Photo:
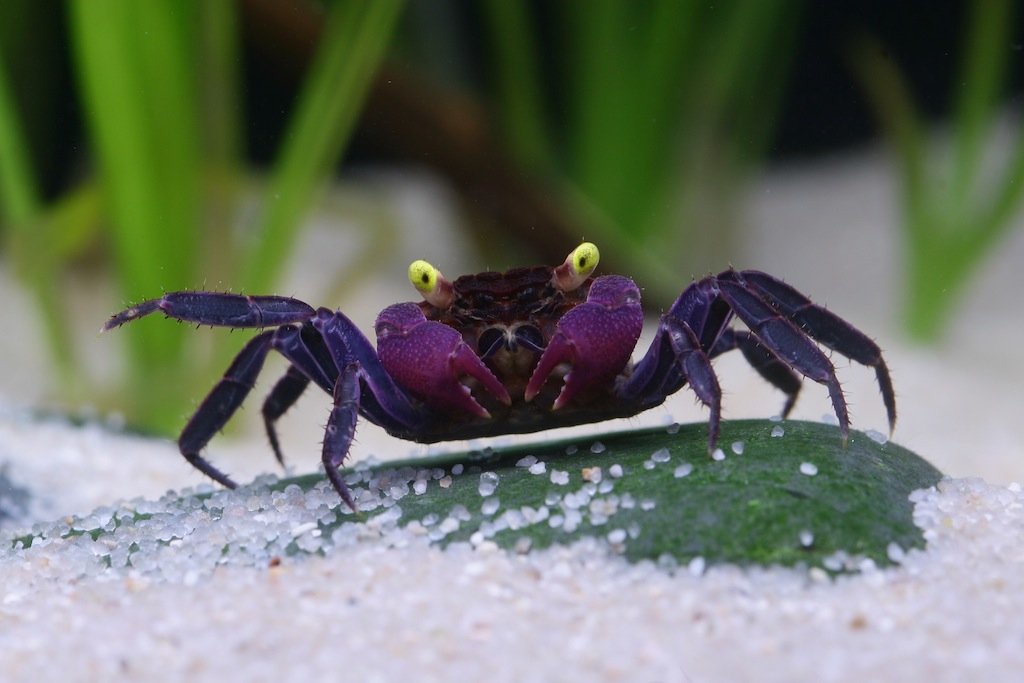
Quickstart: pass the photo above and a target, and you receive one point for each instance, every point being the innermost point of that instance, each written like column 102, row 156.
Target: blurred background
column 870, row 154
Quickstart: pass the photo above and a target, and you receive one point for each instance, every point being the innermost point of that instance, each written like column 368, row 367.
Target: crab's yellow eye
column 578, row 266
column 423, row 276
column 429, row 281
column 584, row 259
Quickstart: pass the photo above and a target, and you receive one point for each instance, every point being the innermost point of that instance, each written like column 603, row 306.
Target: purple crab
column 521, row 351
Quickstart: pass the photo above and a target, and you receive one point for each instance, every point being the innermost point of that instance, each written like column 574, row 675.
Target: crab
column 526, row 350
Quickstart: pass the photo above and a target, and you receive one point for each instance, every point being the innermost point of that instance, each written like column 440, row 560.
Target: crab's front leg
column 218, row 309
column 595, row 339
column 430, row 359
column 362, row 383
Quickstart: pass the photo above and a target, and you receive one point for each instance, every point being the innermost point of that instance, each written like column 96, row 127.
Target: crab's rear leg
column 341, row 429
column 677, row 356
column 311, row 360
column 283, row 396
column 771, row 369
column 223, row 310
column 827, row 328
column 221, row 403
column 785, row 340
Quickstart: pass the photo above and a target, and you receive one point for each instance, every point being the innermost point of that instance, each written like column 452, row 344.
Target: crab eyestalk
column 436, row 289
column 578, row 266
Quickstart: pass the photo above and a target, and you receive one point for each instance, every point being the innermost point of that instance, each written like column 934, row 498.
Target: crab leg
column 341, row 429
column 225, row 310
column 677, row 355
column 782, row 338
column 385, row 403
column 221, row 403
column 824, row 327
column 763, row 361
column 282, row 397
column 696, row 365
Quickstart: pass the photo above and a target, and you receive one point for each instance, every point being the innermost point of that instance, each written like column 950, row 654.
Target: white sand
column 382, row 606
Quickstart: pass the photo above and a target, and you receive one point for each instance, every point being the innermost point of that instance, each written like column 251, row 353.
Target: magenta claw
column 595, row 338
column 428, row 359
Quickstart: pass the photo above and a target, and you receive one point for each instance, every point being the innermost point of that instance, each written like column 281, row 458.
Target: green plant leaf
column 354, row 38
column 136, row 82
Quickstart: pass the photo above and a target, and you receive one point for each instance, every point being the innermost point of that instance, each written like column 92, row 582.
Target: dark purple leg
column 305, row 349
column 696, row 365
column 826, row 328
column 785, row 340
column 384, row 399
column 763, row 361
column 316, row 351
column 282, row 397
column 225, row 310
column 659, row 373
column 341, row 428
column 674, row 359
column 361, row 387
column 221, row 403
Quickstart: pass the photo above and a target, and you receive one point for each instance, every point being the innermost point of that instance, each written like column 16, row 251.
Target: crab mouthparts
column 501, row 338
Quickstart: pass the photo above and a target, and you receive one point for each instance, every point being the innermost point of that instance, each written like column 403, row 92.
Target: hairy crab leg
column 310, row 361
column 283, row 396
column 221, row 403
column 774, row 371
column 659, row 373
column 677, row 357
column 224, row 310
column 697, row 367
column 826, row 328
column 385, row 403
column 784, row 339
column 341, row 429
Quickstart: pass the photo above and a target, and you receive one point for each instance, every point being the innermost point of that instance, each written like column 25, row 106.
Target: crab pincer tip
column 465, row 362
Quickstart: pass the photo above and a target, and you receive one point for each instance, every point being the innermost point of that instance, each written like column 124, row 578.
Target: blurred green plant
column 957, row 205
column 657, row 112
column 158, row 84
column 22, row 211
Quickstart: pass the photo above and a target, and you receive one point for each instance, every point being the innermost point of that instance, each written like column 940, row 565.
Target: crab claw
column 595, row 338
column 428, row 358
